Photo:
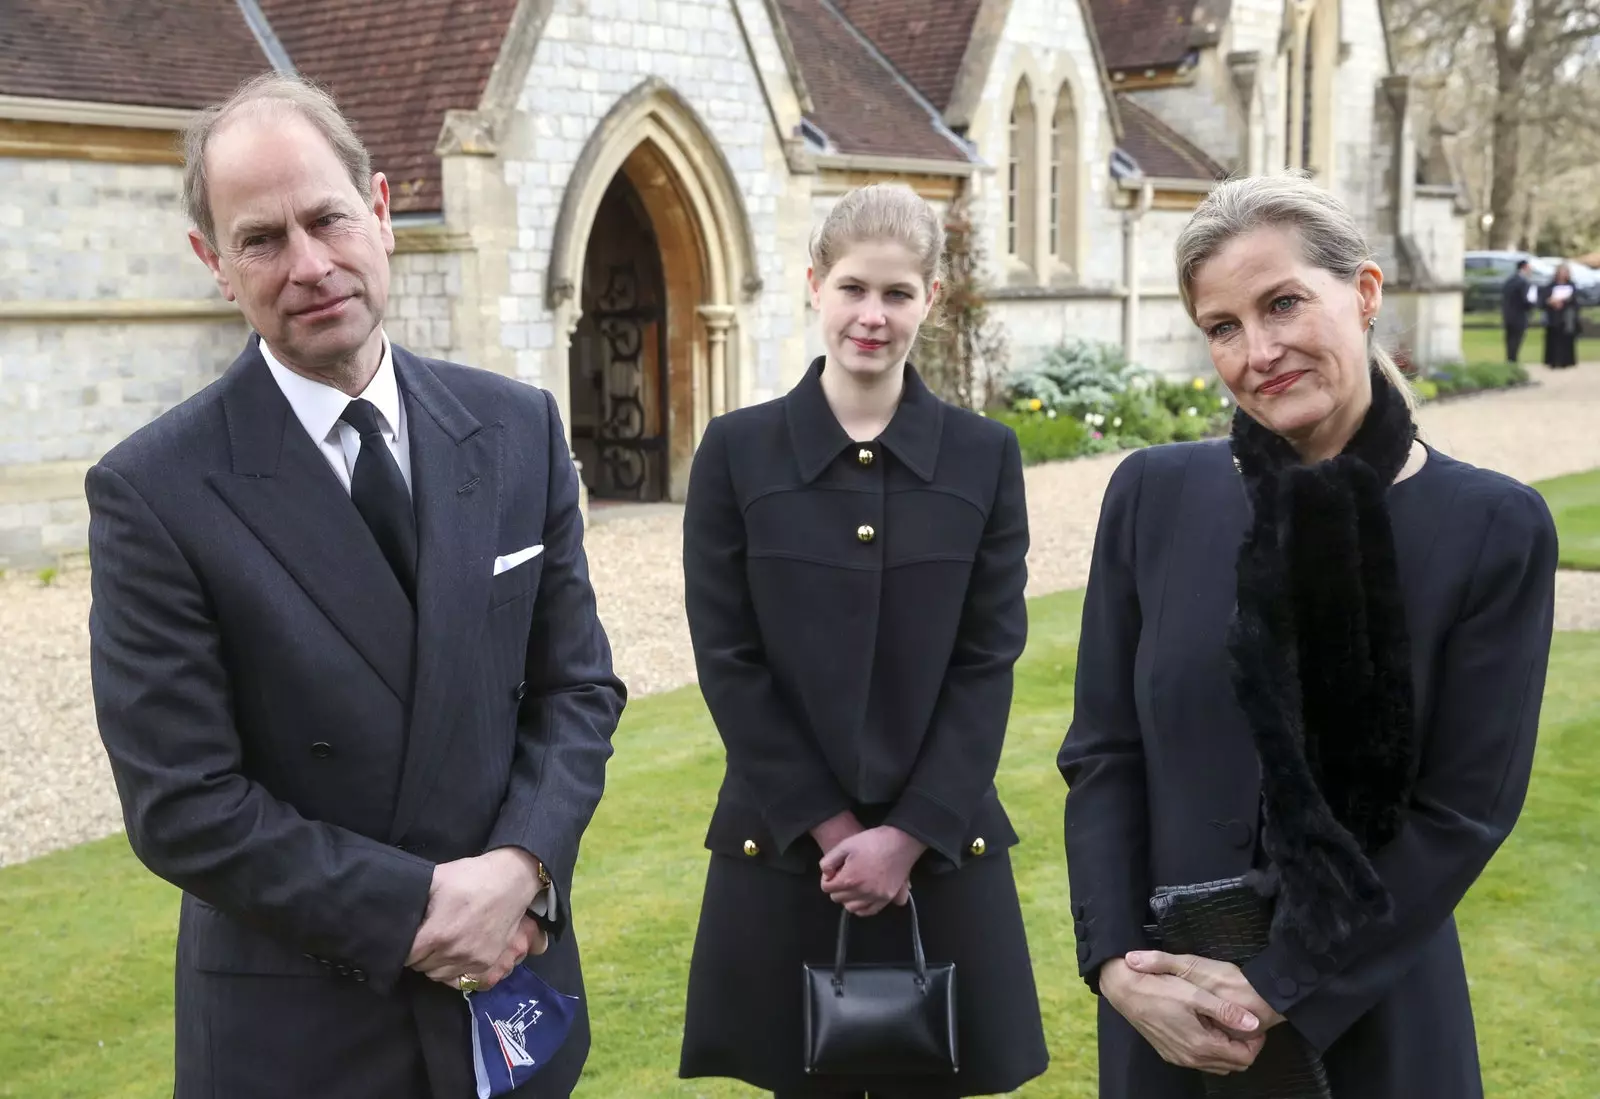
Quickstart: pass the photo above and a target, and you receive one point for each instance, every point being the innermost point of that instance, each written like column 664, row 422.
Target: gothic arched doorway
column 651, row 235
column 618, row 385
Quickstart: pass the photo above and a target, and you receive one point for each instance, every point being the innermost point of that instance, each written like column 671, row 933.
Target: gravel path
column 56, row 789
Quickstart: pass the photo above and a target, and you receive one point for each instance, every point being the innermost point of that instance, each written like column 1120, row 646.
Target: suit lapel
column 282, row 489
column 455, row 474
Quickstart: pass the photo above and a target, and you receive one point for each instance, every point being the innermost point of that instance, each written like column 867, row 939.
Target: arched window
column 1308, row 105
column 1021, row 174
column 1312, row 64
column 1064, row 179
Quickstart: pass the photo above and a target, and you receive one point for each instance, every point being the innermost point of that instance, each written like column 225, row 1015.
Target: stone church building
column 612, row 198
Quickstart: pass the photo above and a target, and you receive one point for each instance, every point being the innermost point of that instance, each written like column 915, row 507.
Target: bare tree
column 1520, row 77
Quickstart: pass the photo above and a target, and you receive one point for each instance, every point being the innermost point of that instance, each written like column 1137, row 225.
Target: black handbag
column 881, row 1020
column 1229, row 921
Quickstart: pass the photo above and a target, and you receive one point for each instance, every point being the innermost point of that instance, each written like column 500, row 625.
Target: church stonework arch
column 654, row 140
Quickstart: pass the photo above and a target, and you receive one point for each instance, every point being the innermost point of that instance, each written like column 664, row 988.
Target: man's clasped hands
column 477, row 924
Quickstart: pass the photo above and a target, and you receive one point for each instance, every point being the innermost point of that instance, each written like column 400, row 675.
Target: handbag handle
column 916, row 948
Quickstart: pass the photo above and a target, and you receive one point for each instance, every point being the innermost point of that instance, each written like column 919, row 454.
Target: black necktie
column 379, row 493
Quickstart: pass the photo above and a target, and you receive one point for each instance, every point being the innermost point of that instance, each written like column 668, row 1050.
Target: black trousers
column 1514, row 342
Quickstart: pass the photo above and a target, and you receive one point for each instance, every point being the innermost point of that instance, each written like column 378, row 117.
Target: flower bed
column 1459, row 379
column 1084, row 398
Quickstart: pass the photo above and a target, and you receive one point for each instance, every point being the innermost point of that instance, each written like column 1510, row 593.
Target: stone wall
column 1440, row 232
column 107, row 319
column 1354, row 106
column 423, row 287
column 1035, row 325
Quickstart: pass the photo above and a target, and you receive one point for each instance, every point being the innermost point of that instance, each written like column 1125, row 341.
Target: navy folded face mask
column 517, row 1027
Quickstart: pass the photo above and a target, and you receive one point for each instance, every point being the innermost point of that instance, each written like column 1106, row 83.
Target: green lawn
column 88, row 934
column 1488, row 345
column 1575, row 502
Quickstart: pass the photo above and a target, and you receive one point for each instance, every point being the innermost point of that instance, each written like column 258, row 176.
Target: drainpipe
column 1130, row 269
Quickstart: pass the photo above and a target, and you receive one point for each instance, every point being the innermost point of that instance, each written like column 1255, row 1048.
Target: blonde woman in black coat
column 854, row 565
column 1312, row 660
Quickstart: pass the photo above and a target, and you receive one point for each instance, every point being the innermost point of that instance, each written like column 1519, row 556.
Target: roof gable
column 1137, row 34
column 1161, row 151
column 857, row 100
column 925, row 40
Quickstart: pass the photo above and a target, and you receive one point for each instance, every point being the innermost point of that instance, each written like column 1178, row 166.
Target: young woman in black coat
column 1312, row 658
column 854, row 569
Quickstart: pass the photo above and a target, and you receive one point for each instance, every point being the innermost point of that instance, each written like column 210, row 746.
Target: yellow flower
column 1036, row 404
column 1199, row 383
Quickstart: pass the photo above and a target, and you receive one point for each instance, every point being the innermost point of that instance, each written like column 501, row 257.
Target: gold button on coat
column 751, row 849
column 978, row 846
column 865, row 533
column 865, row 456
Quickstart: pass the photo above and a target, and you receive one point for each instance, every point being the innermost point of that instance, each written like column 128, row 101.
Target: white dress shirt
column 318, row 407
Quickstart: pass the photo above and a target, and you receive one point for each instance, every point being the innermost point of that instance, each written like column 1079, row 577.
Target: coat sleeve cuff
column 930, row 820
column 1288, row 980
column 1097, row 947
column 801, row 809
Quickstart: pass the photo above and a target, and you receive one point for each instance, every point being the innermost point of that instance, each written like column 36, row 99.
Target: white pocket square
column 512, row 560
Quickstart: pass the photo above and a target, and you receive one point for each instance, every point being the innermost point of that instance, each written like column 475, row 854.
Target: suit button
column 1083, row 952
column 1080, row 931
column 1306, row 973
column 865, row 456
column 865, row 533
column 978, row 846
column 751, row 848
column 322, row 749
column 1286, row 986
column 342, row 970
column 1078, row 911
column 520, row 691
column 359, row 974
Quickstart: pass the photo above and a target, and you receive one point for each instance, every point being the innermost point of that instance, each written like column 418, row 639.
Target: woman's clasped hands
column 866, row 869
column 1196, row 1012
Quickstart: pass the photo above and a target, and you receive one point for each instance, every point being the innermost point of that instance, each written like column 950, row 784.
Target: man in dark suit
column 346, row 658
column 1514, row 306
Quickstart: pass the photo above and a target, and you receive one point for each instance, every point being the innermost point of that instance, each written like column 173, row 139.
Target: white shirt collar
column 318, row 405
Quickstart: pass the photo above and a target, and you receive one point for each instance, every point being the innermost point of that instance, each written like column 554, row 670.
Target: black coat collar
column 912, row 435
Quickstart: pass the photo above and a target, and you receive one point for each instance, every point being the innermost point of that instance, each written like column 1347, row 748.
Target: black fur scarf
column 1322, row 668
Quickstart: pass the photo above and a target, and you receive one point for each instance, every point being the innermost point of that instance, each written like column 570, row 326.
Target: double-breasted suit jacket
column 856, row 609
column 1165, row 782
column 296, row 746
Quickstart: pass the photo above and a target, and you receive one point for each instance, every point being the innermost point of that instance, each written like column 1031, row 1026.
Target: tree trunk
column 1510, row 58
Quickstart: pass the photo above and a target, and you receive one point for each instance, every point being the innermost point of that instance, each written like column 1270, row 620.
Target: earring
column 1372, row 322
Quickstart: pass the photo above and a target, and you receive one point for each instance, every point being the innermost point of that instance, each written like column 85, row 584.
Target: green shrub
column 1454, row 379
column 1046, row 438
column 1085, row 398
column 1075, row 379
